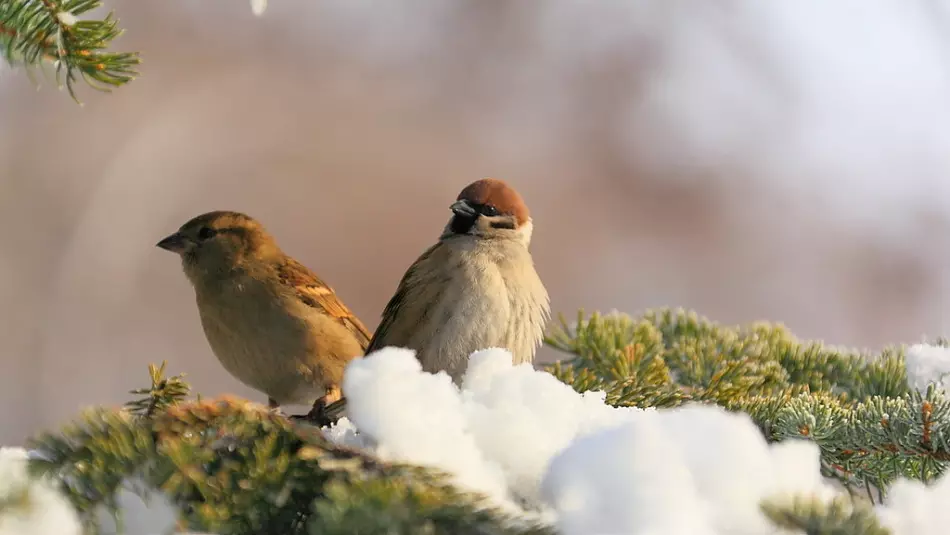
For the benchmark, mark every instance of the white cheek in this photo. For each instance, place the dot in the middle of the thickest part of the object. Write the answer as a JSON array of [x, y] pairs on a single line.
[[526, 230]]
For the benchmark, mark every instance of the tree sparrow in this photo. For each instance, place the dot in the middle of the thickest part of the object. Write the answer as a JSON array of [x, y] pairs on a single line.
[[474, 289], [270, 321]]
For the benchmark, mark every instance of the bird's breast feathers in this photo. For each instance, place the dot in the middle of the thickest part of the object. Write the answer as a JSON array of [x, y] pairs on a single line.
[[490, 297], [255, 336]]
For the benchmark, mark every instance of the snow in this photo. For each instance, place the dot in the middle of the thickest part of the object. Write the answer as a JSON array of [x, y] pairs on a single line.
[[67, 18], [927, 364], [424, 418], [536, 447], [30, 506], [913, 509], [154, 514], [45, 511], [530, 441]]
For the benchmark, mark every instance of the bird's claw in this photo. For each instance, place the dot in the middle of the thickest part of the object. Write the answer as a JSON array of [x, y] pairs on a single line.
[[317, 416]]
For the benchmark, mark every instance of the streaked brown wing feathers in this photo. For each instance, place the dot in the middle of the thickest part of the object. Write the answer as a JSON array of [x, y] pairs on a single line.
[[316, 293], [389, 332]]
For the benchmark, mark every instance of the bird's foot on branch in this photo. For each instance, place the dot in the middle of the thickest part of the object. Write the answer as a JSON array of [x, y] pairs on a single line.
[[274, 407], [317, 415]]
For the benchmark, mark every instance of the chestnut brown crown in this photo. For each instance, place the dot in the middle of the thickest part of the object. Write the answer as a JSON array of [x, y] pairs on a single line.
[[498, 194]]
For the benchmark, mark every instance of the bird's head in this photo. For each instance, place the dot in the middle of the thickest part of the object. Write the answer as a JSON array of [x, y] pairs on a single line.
[[490, 208], [217, 242]]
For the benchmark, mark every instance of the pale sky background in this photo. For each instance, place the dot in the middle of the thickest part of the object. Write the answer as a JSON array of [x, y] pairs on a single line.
[[784, 161]]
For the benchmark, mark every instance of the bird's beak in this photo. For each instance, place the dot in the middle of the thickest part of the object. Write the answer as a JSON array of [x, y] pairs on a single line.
[[175, 243], [462, 208]]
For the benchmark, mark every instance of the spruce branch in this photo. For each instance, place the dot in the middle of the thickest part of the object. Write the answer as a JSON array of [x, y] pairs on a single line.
[[36, 31], [163, 393], [870, 427]]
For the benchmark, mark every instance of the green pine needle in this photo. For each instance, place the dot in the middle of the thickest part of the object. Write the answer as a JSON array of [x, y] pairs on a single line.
[[37, 32]]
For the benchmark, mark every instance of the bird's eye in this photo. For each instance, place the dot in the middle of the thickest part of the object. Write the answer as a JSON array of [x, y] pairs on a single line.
[[205, 232], [489, 210]]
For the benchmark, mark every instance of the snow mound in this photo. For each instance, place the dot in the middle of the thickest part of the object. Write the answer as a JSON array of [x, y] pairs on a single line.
[[533, 443]]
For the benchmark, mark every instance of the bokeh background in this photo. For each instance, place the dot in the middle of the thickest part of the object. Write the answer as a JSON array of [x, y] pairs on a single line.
[[785, 161]]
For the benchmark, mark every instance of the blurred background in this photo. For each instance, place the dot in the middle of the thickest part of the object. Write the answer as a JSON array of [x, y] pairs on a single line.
[[784, 161]]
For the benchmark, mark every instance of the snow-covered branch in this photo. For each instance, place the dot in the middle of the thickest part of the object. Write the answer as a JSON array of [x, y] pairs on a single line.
[[663, 423]]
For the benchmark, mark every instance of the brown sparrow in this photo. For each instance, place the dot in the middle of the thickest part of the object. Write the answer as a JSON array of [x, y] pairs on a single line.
[[476, 288], [270, 321]]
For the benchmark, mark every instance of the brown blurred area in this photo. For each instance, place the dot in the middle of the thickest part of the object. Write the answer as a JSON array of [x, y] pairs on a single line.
[[348, 139]]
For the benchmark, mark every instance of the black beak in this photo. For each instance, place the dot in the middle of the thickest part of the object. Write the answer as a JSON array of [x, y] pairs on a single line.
[[175, 243], [464, 209]]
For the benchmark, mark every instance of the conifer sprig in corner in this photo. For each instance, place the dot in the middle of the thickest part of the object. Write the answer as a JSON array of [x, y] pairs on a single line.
[[36, 31]]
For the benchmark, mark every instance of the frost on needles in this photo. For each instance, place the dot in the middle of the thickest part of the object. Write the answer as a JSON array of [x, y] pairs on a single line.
[[663, 423]]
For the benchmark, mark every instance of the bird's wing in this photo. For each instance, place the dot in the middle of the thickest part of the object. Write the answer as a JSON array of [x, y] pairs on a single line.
[[419, 287], [317, 294]]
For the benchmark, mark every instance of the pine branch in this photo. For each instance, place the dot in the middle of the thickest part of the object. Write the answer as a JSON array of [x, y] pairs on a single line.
[[36, 31], [162, 394], [870, 427]]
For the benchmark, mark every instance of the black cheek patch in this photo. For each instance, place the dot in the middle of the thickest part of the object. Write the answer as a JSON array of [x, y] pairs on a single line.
[[462, 224], [504, 223]]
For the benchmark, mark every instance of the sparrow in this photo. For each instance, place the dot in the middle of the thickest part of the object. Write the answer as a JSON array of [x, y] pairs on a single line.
[[476, 288], [271, 322]]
